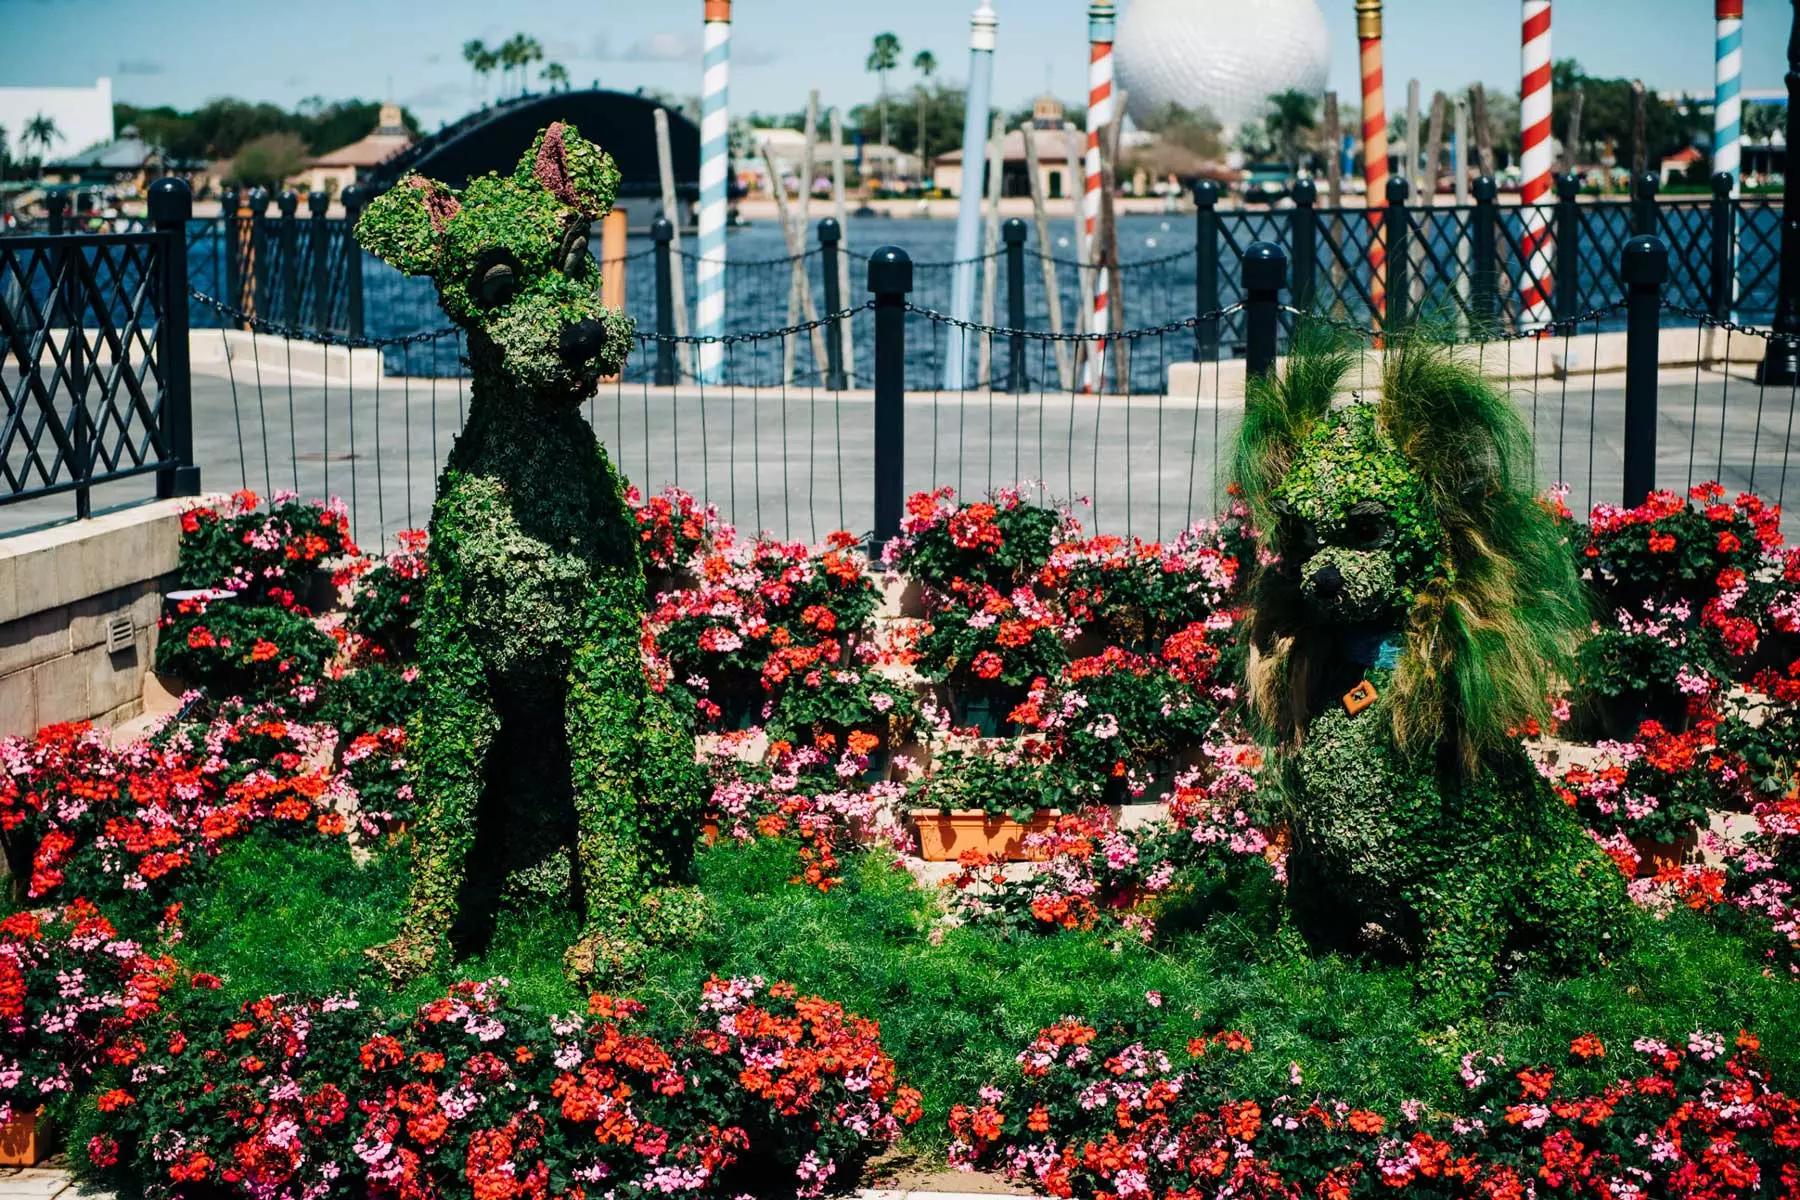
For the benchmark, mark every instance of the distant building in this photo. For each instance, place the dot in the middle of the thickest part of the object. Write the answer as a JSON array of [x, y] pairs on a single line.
[[83, 117], [126, 163], [1059, 177], [336, 170], [787, 150]]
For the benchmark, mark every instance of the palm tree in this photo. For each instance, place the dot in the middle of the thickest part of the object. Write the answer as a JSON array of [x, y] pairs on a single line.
[[43, 130], [475, 53], [1290, 118], [530, 51], [4, 157], [884, 56], [555, 77], [512, 56], [1763, 121], [926, 64]]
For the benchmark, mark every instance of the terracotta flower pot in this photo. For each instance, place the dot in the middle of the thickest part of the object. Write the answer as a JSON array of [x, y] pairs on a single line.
[[1656, 857], [25, 1140], [947, 836]]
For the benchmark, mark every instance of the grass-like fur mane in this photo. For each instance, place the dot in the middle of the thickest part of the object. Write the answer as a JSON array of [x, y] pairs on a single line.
[[1495, 632]]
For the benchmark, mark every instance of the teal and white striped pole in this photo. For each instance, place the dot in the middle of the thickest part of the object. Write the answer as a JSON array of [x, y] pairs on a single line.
[[982, 28], [715, 168], [1728, 106]]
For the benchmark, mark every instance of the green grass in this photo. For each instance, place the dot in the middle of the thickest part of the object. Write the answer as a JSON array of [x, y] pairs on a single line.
[[956, 1005]]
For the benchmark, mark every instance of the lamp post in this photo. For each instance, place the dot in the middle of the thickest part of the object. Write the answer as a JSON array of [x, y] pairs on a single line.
[[715, 170], [982, 26], [1781, 361]]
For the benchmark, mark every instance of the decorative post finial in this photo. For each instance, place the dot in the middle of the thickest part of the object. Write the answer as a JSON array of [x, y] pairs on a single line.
[[983, 24], [1368, 18]]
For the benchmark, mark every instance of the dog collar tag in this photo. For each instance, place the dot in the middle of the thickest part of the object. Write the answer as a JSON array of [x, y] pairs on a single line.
[[1359, 697]]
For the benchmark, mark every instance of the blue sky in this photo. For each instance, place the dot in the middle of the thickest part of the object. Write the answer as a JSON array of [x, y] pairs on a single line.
[[183, 51]]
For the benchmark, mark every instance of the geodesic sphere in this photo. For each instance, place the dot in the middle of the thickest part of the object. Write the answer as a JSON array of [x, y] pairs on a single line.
[[1225, 56]]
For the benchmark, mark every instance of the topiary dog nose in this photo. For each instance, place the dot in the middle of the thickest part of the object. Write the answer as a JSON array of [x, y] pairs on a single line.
[[1328, 582], [582, 340]]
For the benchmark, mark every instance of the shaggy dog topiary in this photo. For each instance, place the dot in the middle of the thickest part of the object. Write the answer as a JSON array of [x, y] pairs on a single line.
[[1418, 612], [547, 768]]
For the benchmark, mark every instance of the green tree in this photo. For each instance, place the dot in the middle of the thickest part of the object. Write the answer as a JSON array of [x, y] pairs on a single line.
[[884, 56], [268, 161], [477, 55], [943, 120], [1187, 140], [1607, 115], [1290, 123], [1764, 121], [926, 64], [555, 77], [41, 130]]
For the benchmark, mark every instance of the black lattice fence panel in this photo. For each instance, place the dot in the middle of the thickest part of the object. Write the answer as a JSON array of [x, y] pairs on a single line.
[[1686, 229], [1440, 265], [81, 383], [1238, 231], [1605, 228], [1758, 257], [1344, 289]]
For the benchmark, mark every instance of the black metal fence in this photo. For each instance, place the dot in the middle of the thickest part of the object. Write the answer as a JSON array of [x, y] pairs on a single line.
[[1465, 268], [95, 378], [98, 389]]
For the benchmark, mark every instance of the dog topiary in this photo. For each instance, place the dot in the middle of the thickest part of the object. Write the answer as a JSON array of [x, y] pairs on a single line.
[[1416, 614], [547, 767]]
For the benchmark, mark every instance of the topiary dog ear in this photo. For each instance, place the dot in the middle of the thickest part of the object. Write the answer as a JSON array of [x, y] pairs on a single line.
[[575, 171], [1280, 408], [404, 226]]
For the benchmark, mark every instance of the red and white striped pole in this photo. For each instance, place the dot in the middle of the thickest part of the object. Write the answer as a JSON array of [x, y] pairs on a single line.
[[1099, 116], [1375, 146], [1534, 165]]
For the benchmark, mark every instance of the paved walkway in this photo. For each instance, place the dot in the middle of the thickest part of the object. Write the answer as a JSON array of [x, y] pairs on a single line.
[[800, 461]]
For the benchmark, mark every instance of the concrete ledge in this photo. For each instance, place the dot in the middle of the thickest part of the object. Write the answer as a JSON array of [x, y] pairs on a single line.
[[240, 353], [227, 351], [1520, 360], [61, 589]]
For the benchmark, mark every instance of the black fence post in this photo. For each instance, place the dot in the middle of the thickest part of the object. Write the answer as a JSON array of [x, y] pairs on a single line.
[[1565, 294], [56, 204], [261, 278], [1265, 274], [831, 236], [171, 204], [318, 244], [1484, 280], [355, 196], [1781, 360], [1397, 230], [1645, 267], [1206, 270], [1724, 246], [290, 258], [663, 234], [1305, 242], [890, 279], [1013, 235], [1643, 204]]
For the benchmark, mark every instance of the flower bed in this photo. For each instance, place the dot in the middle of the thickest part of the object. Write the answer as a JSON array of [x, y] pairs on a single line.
[[1097, 1110], [1119, 683]]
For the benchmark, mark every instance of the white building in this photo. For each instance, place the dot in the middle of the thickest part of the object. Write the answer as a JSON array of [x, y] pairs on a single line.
[[83, 117]]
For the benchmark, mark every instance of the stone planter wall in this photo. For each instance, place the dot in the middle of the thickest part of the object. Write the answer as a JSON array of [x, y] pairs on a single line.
[[79, 604]]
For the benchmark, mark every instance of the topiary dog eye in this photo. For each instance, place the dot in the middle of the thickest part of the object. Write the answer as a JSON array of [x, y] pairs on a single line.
[[574, 254], [1369, 526], [496, 279]]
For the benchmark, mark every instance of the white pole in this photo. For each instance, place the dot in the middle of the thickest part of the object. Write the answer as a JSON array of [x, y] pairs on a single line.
[[665, 162], [715, 167], [968, 212], [843, 220]]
